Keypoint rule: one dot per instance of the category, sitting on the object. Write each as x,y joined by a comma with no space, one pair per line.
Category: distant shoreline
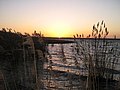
81,38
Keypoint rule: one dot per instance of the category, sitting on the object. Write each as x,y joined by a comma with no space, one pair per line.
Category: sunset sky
60,17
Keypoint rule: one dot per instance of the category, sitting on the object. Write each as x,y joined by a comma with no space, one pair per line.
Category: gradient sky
60,17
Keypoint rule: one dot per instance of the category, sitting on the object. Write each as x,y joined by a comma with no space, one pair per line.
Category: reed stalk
5,83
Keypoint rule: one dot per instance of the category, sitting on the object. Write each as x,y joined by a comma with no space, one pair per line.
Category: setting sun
60,29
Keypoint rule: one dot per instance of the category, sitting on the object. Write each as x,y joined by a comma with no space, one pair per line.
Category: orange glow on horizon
59,29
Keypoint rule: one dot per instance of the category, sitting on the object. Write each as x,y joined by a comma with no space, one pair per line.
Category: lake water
64,58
